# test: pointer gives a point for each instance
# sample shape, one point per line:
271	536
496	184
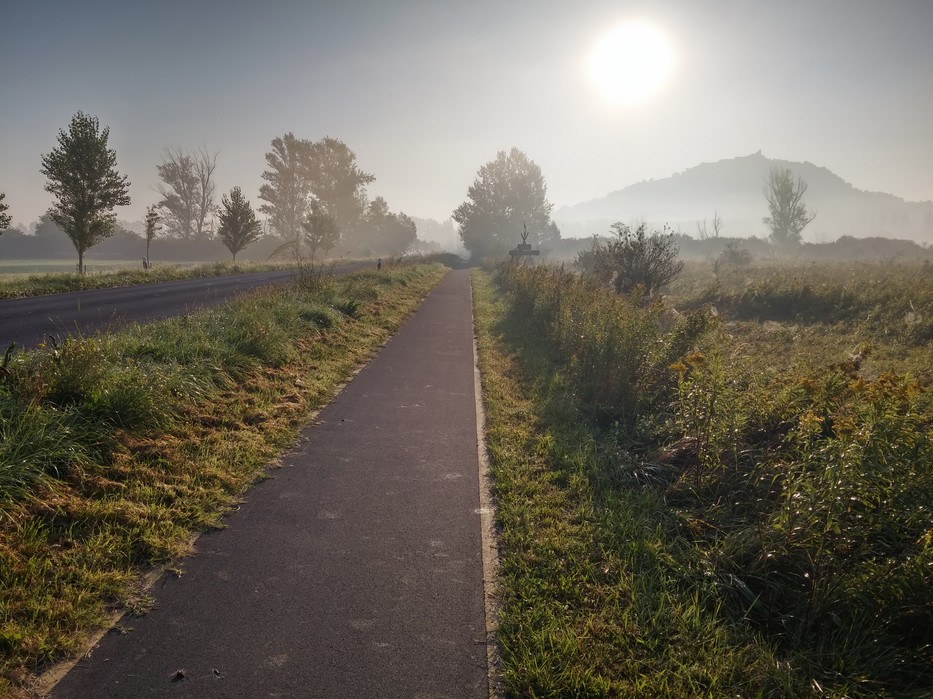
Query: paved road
28	321
356	571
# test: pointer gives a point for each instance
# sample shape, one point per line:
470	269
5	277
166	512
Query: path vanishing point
356	570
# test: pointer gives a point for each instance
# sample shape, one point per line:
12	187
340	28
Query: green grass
116	448
756	492
882	299
17	269
51	277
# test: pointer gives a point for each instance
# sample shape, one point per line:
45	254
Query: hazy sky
426	92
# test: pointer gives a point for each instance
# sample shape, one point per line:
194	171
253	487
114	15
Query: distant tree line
314	196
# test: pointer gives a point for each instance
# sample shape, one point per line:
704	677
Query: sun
630	63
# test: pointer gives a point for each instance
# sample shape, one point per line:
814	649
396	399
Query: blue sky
426	92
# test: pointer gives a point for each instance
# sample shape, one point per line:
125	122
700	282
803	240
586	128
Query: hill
735	189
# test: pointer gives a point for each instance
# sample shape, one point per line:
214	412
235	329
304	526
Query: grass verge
115	449
598	599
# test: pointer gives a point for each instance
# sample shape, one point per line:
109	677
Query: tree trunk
81	262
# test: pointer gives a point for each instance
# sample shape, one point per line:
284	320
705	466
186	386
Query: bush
732	255
633	259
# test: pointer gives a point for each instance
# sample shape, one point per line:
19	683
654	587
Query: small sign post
523	249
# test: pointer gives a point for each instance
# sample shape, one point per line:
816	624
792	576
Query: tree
82	174
288	186
321	231
392	234
339	185
238	224
508	192
702	230
152	226
789	215
401	235
188	191
5	219
204	165
634	258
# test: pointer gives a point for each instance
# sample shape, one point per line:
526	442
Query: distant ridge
735	188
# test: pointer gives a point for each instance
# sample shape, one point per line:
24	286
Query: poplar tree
82	174
238	223
788	214
152	226
287	186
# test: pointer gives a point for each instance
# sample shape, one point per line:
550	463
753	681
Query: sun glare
630	63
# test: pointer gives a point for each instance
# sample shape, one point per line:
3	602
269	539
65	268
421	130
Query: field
725	492
20	278
17	269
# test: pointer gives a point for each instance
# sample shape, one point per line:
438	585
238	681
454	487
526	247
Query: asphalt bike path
356	570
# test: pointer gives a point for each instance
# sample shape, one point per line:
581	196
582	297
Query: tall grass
804	493
618	353
886	300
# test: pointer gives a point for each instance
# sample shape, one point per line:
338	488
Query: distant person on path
379	264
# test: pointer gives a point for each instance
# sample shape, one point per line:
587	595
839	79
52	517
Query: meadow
16	269
21	278
724	491
115	450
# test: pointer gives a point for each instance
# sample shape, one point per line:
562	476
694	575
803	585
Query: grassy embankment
113	450
20	285
698	505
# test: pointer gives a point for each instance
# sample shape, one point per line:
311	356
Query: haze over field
601	95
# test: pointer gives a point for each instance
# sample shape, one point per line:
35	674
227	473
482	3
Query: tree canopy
788	214
5	219
340	186
82	174
238	224
508	192
287	186
321	231
187	191
389	233
304	174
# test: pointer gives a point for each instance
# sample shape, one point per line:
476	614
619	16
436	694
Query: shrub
633	259
732	255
